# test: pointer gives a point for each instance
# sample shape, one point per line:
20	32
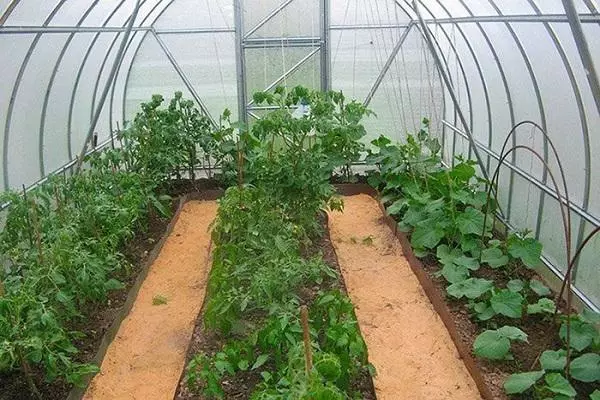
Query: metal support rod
266	19
584	50
585	18
104	29
11	7
184	78
240	58
325	46
287	73
447	82
261	43
387	66
111	77
367	27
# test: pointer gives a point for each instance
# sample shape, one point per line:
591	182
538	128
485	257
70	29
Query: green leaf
470	288
492	345
243	365
589	316
260	360
543	305
582	334
515	285
595	395
557	383
454	273
539	288
586	368
507	303
484	311
445	255
553	360
396	207
62	297
528	250
519	383
470	221
494	257
427	236
468	262
462	172
113	284
512	333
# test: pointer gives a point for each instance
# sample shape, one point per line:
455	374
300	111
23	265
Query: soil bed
542	332
242	385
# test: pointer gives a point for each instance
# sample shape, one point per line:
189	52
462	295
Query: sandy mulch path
147	356
408	343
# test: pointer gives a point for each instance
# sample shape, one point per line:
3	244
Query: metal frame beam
584	18
240	58
266	19
387	66
261	43
184	78
14	30
325	23
584	50
111	78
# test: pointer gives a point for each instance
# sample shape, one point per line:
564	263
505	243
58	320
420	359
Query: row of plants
261	273
61	243
450	218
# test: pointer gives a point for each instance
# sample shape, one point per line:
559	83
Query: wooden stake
307	343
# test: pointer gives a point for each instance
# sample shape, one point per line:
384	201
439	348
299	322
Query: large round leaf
492	345
586	368
553	360
507	303
518	383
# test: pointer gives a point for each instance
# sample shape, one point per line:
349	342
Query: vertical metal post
111	77
240	60
325	47
584	50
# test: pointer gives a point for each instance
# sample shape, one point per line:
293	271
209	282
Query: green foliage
283	168
163	142
551	360
61	241
586	368
556	383
582	335
521	382
495	344
528	250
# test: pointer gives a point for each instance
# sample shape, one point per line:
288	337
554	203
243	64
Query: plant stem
306	335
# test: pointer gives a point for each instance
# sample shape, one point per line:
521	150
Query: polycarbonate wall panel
369	12
209	65
205	13
299	18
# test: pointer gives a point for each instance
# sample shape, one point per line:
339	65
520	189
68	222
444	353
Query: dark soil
242	385
542	331
98	317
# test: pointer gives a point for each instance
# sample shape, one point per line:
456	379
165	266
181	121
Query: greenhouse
287	199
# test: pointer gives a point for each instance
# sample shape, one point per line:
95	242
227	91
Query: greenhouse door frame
243	41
